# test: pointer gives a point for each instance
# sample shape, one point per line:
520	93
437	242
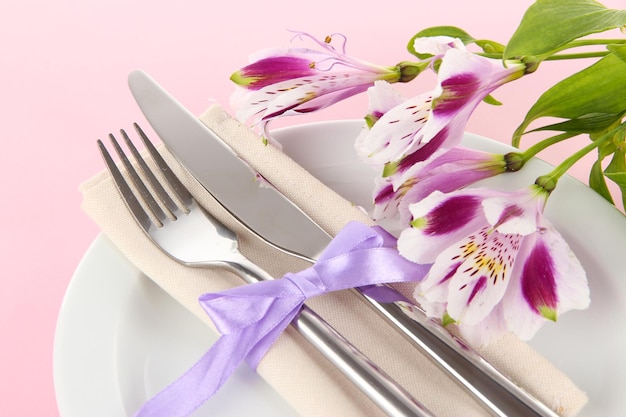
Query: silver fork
190	235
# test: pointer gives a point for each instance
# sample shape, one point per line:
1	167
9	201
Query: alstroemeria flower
497	263
415	129
437	45
465	79
301	80
445	171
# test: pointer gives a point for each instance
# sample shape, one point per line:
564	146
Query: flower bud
409	70
547	182
514	161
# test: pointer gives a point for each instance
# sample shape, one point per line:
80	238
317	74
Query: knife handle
497	393
379	387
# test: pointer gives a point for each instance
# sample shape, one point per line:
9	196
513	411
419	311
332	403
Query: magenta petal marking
457	92
377	114
508	213
452	214
538	280
276	69
478	287
384	194
424	152
450	273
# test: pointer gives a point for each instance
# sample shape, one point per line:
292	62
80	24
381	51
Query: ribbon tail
258	351
201	381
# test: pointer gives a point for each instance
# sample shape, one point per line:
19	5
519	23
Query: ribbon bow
251	317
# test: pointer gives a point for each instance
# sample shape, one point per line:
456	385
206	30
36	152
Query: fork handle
377	385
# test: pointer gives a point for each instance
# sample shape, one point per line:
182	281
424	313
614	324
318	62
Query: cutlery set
211	244
182	229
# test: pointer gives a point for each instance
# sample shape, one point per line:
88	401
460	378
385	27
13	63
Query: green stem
516	160
574	44
540	146
490	55
587	42
549	181
598	54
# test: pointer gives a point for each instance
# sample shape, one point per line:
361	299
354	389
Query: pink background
63	68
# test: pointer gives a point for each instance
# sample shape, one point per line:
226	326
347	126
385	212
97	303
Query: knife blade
275	218
262	209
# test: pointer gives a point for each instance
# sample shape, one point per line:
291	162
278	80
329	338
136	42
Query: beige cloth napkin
296	371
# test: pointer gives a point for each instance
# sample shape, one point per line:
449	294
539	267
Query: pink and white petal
547	281
397	131
470	76
442	213
522	319
513	212
432	292
320	102
383	97
481	280
301	90
437	45
440	220
446	177
571	279
393	194
458	62
419	170
273	69
386	206
463	155
428	303
490	329
240	100
464	80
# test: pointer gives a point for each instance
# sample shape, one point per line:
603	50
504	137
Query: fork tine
175	183
156	184
137	181
127	194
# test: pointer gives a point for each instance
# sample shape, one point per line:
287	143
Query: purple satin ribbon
251	317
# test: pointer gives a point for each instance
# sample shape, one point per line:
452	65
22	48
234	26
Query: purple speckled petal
275	69
451	214
538	281
424	150
459	90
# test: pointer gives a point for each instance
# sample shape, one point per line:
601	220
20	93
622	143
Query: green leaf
618	178
617	167
489	99
596	91
490	47
452	31
593	123
597	181
618	50
616	171
548	25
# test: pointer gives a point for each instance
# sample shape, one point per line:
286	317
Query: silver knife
274	218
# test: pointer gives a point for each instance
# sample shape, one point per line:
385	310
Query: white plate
120	338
